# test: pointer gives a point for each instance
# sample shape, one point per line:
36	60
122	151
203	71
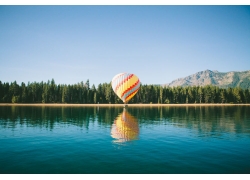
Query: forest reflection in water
204	119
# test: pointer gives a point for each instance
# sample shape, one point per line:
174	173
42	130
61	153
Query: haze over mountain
220	79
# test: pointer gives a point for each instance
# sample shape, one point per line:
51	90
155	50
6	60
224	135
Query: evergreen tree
200	94
222	96
247	96
1	92
23	93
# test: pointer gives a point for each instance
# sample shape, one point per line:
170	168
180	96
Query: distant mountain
221	79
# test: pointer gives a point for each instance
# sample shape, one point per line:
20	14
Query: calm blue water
113	140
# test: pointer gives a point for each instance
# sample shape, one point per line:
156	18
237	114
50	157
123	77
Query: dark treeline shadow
201	118
234	119
11	116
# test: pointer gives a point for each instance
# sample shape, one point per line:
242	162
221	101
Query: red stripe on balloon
131	87
122	74
130	76
132	93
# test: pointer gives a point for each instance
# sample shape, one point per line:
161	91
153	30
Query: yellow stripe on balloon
129	97
127	84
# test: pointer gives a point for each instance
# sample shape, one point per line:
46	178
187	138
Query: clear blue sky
157	43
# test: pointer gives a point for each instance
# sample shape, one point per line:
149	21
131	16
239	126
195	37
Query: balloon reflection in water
125	127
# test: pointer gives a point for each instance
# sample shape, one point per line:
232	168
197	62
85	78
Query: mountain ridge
208	77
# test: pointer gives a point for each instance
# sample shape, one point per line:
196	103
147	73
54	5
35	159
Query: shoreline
116	105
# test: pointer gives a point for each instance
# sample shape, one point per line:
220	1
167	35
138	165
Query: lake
114	140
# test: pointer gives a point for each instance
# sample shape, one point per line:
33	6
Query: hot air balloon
125	127
125	85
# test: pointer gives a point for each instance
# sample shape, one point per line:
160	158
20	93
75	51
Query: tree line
82	93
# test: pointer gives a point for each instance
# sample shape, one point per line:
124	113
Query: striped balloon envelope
125	85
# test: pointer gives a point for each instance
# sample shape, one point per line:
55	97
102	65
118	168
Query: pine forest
82	93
